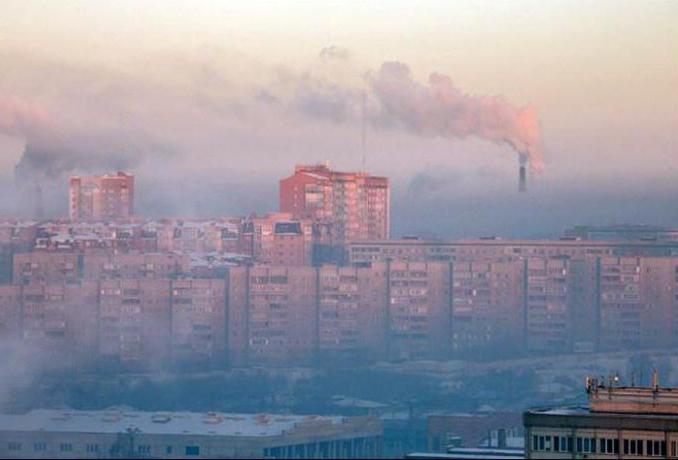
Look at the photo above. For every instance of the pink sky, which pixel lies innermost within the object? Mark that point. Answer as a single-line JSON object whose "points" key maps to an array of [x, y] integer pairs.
{"points": [[602, 77]]}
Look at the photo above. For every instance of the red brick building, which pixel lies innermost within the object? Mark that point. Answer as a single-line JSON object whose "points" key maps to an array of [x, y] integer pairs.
{"points": [[354, 206], [102, 197]]}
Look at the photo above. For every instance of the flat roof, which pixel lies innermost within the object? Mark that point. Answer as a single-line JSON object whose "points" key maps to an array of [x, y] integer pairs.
{"points": [[583, 418], [512, 242], [116, 420], [586, 412], [471, 453]]}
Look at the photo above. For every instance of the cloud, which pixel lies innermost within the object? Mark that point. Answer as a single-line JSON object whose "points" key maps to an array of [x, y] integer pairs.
{"points": [[212, 114], [334, 53], [323, 100]]}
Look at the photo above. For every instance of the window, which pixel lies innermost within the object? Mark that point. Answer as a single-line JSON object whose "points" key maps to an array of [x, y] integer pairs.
{"points": [[144, 449], [66, 447], [168, 450], [608, 446], [14, 446], [92, 448], [650, 446], [656, 448], [580, 444], [192, 450], [40, 446], [562, 444]]}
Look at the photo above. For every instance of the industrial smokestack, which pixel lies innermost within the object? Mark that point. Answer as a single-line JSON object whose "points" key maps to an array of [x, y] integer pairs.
{"points": [[439, 108], [522, 173]]}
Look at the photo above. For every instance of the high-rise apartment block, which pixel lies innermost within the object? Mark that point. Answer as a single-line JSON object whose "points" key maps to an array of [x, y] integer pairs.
{"points": [[106, 197], [346, 206]]}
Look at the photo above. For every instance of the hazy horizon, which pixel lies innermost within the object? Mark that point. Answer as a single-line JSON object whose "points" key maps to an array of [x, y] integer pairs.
{"points": [[211, 95]]}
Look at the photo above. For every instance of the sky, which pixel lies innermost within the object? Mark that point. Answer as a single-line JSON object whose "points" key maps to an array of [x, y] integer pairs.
{"points": [[210, 103]]}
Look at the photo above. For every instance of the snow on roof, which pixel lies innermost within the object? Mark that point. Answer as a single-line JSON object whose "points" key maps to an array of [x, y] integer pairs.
{"points": [[118, 420]]}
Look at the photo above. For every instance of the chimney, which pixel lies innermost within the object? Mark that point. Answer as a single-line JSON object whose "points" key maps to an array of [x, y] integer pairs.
{"points": [[522, 177], [39, 211]]}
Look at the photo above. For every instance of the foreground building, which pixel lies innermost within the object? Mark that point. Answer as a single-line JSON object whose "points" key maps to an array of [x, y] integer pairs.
{"points": [[101, 197], [620, 422], [118, 433]]}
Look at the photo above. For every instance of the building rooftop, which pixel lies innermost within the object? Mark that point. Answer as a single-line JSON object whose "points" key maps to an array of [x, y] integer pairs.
{"points": [[510, 242], [471, 453], [118, 420], [581, 417]]}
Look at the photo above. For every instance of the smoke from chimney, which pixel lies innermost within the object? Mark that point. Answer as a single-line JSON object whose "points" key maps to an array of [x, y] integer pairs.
{"points": [[19, 117], [441, 109]]}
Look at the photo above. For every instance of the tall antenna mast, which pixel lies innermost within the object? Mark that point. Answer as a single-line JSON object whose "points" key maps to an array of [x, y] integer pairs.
{"points": [[363, 128]]}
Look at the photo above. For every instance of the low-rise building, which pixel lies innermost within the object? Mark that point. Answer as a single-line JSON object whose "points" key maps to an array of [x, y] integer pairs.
{"points": [[620, 422], [119, 433]]}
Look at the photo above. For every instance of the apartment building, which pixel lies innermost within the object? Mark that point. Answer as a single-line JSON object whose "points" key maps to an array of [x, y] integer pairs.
{"points": [[419, 311], [353, 206], [469, 250], [198, 322], [101, 197], [70, 267], [488, 307], [628, 232], [637, 302], [548, 314], [168, 309], [278, 239], [47, 267], [113, 265], [135, 319], [59, 320], [277, 314], [352, 310]]}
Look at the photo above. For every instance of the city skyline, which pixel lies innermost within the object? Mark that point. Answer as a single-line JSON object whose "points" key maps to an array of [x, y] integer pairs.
{"points": [[294, 229], [221, 83]]}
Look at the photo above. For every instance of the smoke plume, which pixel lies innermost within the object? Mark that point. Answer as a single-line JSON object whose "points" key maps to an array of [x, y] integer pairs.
{"points": [[441, 109], [19, 117]]}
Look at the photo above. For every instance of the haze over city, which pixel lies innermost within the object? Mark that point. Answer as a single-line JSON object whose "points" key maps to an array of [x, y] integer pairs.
{"points": [[276, 229], [220, 98]]}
